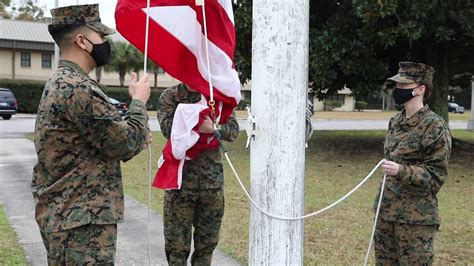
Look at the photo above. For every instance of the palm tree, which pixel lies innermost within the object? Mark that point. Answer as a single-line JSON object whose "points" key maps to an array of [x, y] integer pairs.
{"points": [[124, 58]]}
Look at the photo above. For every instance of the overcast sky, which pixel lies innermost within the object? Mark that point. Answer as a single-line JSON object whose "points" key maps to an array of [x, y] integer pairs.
{"points": [[106, 8]]}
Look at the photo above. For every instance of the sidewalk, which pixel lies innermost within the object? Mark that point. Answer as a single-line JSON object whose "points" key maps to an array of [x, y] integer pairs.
{"points": [[16, 163]]}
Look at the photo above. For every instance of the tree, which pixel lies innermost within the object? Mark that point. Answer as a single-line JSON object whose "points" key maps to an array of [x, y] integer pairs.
{"points": [[358, 43], [124, 58], [155, 69], [439, 33], [24, 10]]}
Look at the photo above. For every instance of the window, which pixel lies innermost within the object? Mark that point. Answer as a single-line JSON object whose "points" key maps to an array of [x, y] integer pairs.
{"points": [[336, 98], [25, 59], [46, 60]]}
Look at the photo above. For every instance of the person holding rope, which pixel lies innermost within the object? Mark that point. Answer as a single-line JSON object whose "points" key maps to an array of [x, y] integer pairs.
{"points": [[200, 201], [80, 140], [417, 148]]}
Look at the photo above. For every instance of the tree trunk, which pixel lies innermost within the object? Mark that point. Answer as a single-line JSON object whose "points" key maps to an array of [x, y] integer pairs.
{"points": [[437, 57], [98, 74], [122, 78], [156, 80]]}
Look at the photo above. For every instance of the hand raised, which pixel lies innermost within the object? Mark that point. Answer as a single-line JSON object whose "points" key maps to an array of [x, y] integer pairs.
{"points": [[139, 90]]}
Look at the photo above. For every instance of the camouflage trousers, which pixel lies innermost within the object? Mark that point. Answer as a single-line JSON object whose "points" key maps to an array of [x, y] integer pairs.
{"points": [[184, 209], [85, 245], [404, 244]]}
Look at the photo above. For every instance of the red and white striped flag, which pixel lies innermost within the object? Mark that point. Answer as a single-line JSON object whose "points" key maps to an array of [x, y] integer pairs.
{"points": [[177, 43]]}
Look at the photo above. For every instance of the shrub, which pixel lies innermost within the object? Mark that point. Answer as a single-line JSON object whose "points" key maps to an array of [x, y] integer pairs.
{"points": [[242, 104], [121, 94], [27, 93], [360, 105], [330, 105]]}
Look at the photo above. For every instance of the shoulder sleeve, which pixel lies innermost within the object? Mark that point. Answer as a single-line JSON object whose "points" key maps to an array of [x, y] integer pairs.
{"points": [[165, 110], [97, 120], [230, 130]]}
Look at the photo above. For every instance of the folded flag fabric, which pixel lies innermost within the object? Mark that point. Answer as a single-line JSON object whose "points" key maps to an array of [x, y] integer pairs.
{"points": [[177, 43]]}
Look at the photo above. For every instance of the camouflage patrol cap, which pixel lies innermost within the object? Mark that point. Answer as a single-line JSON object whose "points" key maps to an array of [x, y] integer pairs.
{"points": [[410, 72], [80, 15]]}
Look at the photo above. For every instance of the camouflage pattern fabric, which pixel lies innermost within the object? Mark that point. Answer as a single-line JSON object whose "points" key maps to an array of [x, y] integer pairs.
{"points": [[200, 202], [421, 145], [201, 208], [404, 244], [205, 171], [80, 139], [410, 72], [409, 216], [80, 15], [85, 245]]}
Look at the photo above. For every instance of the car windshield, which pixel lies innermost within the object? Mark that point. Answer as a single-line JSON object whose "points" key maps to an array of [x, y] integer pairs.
{"points": [[6, 94], [454, 104], [114, 101]]}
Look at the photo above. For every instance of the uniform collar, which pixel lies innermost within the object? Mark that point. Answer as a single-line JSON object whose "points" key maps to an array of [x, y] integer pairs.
{"points": [[413, 120], [71, 64], [183, 93]]}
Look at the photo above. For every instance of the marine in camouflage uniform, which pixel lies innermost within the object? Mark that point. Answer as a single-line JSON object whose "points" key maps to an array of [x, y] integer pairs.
{"points": [[80, 139], [200, 201], [420, 144]]}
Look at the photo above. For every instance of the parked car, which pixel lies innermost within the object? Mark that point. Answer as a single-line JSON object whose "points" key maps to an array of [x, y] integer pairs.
{"points": [[455, 108], [121, 107], [8, 103]]}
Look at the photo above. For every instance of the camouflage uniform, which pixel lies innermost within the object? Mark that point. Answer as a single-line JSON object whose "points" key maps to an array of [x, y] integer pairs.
{"points": [[200, 201], [421, 145], [77, 185]]}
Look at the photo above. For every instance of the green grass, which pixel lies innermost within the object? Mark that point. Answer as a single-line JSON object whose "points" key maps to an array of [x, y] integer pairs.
{"points": [[335, 162], [10, 251]]}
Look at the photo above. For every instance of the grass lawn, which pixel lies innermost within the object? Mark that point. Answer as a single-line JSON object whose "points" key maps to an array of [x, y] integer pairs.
{"points": [[10, 251], [335, 162]]}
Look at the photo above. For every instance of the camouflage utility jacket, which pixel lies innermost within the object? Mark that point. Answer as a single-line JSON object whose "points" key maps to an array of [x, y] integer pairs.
{"points": [[80, 139], [206, 170], [421, 145]]}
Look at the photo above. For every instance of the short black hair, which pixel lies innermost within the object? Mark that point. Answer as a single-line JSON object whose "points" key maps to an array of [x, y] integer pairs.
{"points": [[63, 34]]}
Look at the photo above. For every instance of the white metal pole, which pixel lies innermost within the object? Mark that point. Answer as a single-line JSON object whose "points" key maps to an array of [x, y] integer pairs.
{"points": [[470, 125], [56, 47], [279, 87]]}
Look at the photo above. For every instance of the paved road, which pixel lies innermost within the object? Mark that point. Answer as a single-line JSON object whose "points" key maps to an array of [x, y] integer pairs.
{"points": [[17, 157], [26, 124]]}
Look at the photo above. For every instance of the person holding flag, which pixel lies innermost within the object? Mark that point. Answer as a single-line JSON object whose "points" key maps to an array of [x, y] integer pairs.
{"points": [[194, 42], [199, 203]]}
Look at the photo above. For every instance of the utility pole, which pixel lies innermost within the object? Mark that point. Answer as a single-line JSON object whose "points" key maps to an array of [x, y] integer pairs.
{"points": [[470, 125], [279, 88], [56, 47]]}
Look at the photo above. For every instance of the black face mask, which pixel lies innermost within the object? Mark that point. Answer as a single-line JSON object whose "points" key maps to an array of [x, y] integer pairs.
{"points": [[100, 52], [402, 96]]}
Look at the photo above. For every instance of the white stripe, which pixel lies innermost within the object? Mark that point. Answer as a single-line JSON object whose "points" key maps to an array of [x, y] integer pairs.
{"points": [[181, 22], [186, 117]]}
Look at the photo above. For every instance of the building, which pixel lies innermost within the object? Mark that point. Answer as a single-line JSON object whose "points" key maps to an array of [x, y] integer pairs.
{"points": [[27, 52], [343, 97]]}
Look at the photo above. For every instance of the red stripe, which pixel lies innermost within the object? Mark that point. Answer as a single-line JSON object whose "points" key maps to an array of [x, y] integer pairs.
{"points": [[164, 49], [220, 29]]}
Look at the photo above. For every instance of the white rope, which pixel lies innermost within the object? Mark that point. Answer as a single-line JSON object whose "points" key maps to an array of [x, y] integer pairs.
{"points": [[324, 209], [304, 216], [211, 88], [375, 219], [145, 60]]}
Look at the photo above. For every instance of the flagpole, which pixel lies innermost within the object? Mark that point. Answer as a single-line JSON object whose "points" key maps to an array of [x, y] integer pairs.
{"points": [[145, 60], [277, 157]]}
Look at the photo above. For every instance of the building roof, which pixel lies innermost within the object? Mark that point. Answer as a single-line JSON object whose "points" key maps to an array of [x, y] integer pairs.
{"points": [[33, 31], [24, 31]]}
